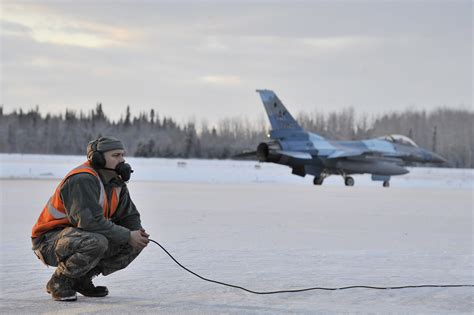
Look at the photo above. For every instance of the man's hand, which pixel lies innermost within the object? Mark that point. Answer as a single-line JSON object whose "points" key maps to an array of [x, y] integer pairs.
{"points": [[138, 239]]}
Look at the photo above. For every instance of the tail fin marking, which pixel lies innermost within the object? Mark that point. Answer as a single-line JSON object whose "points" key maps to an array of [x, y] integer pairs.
{"points": [[279, 117]]}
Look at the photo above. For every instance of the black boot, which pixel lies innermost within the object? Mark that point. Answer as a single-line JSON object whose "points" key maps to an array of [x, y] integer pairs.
{"points": [[84, 285], [60, 288]]}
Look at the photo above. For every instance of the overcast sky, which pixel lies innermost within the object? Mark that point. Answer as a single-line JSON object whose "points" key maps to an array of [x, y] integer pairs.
{"points": [[205, 59]]}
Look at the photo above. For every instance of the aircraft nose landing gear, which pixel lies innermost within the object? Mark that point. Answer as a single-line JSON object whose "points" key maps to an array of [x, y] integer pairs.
{"points": [[349, 181]]}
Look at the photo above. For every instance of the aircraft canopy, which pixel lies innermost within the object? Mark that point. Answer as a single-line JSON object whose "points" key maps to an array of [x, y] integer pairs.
{"points": [[400, 139]]}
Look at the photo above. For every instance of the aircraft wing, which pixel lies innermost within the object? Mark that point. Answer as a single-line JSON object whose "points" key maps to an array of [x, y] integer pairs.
{"points": [[357, 155], [295, 154], [345, 153]]}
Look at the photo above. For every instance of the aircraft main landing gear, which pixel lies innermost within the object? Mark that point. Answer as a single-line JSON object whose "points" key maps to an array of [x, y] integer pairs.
{"points": [[349, 181], [386, 183], [318, 180]]}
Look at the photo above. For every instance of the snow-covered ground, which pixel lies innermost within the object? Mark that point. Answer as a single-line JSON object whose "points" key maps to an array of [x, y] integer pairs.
{"points": [[261, 228]]}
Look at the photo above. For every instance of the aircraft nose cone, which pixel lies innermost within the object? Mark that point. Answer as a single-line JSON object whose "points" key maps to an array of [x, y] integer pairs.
{"points": [[436, 158], [431, 157]]}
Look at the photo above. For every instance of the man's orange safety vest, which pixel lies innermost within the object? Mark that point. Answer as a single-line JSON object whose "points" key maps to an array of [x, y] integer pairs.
{"points": [[54, 213]]}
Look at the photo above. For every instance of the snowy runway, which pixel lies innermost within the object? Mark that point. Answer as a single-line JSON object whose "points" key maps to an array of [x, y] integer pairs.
{"points": [[263, 236]]}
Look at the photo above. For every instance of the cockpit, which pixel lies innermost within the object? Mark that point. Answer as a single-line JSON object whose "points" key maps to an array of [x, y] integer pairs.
{"points": [[400, 139]]}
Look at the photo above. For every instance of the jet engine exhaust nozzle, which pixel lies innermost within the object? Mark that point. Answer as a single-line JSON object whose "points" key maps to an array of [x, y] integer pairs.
{"points": [[267, 152]]}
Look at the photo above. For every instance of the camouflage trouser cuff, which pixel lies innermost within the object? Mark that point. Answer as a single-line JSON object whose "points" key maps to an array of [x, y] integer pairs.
{"points": [[118, 261]]}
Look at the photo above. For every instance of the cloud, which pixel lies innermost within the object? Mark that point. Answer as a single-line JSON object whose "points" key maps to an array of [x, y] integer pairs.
{"points": [[45, 26], [14, 29], [225, 80], [213, 44], [78, 52], [336, 42]]}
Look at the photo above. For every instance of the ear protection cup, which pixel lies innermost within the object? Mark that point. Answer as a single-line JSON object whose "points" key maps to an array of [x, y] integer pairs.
{"points": [[96, 158]]}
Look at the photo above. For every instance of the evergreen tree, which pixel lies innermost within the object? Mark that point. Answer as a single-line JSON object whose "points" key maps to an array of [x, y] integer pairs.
{"points": [[448, 132]]}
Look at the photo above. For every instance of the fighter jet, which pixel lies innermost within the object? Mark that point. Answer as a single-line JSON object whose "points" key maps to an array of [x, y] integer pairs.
{"points": [[311, 154]]}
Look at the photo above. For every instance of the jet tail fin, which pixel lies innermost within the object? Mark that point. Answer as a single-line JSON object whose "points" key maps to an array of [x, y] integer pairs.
{"points": [[279, 117]]}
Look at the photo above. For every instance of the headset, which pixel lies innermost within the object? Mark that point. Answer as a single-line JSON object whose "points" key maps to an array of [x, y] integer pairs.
{"points": [[96, 158]]}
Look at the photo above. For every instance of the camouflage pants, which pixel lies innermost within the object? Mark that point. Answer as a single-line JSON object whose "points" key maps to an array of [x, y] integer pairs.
{"points": [[75, 252]]}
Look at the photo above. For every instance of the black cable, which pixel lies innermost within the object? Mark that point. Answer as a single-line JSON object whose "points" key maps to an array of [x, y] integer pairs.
{"points": [[317, 288]]}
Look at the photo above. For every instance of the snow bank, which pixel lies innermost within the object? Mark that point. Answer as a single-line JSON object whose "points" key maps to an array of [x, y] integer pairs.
{"points": [[26, 166]]}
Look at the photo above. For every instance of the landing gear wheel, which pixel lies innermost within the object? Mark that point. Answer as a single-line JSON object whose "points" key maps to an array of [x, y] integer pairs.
{"points": [[349, 181], [386, 183], [318, 180]]}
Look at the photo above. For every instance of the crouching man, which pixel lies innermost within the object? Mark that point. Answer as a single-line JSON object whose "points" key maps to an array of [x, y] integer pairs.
{"points": [[89, 226]]}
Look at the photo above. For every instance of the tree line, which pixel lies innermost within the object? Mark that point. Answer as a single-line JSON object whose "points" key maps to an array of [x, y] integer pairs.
{"points": [[446, 131]]}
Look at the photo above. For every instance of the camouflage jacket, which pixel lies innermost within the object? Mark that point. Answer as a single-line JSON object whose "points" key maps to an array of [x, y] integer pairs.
{"points": [[80, 195]]}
